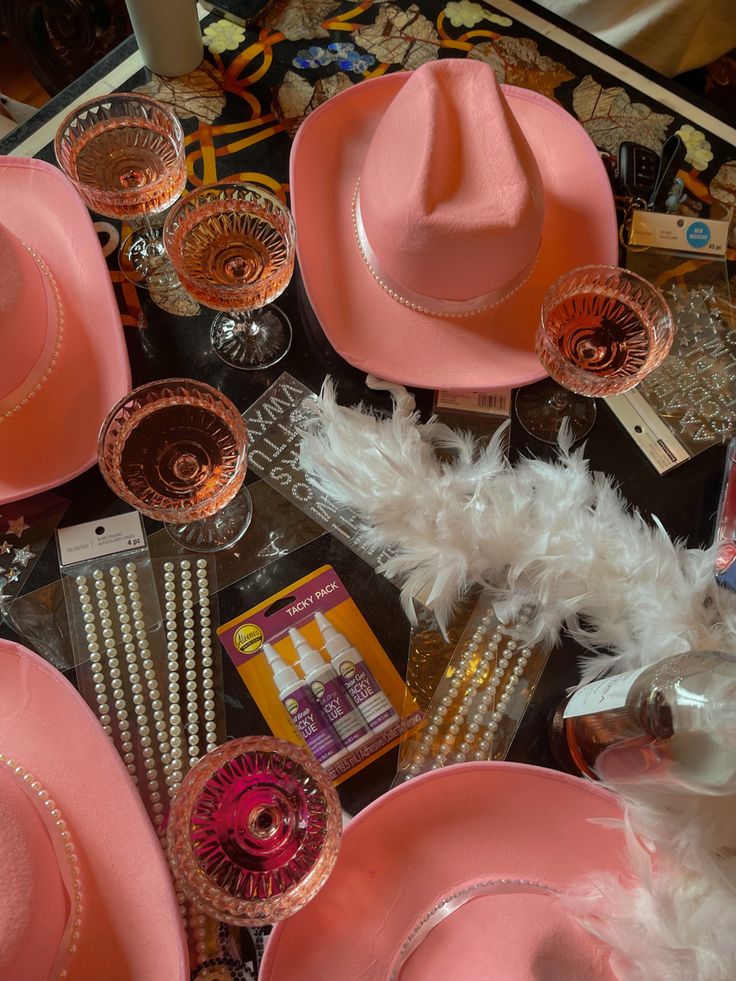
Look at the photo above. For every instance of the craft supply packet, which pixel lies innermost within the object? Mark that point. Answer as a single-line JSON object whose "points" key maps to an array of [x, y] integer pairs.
{"points": [[307, 650]]}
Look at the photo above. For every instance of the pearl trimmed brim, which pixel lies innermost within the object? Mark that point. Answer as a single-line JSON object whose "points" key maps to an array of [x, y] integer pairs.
{"points": [[429, 839], [131, 929], [53, 437]]}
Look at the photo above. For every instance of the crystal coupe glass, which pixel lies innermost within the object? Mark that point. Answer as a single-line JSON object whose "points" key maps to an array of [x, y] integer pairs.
{"points": [[176, 450], [125, 155], [254, 831], [232, 244], [602, 330]]}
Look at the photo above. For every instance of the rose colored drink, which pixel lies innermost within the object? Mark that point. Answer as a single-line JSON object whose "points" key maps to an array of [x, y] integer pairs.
{"points": [[123, 154], [232, 245], [254, 831], [180, 456], [176, 450], [602, 330], [605, 336]]}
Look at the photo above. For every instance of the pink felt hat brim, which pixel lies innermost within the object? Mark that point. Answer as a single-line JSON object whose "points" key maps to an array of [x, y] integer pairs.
{"points": [[131, 927], [373, 332], [54, 437], [429, 837]]}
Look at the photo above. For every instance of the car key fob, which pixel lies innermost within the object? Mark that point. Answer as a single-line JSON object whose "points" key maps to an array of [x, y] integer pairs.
{"points": [[673, 157], [637, 170]]}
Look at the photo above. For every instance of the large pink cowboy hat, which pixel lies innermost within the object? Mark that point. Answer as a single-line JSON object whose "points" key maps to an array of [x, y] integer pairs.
{"points": [[433, 209], [65, 791], [456, 876], [64, 360]]}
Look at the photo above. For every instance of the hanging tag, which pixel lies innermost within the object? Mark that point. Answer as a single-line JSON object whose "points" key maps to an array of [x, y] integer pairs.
{"points": [[678, 233], [96, 539]]}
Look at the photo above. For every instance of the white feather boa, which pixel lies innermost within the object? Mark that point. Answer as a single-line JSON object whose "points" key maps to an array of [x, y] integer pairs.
{"points": [[558, 538]]}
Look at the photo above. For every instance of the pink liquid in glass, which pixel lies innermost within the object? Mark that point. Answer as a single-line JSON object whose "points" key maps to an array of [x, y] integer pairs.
{"points": [[602, 330], [254, 830], [233, 254]]}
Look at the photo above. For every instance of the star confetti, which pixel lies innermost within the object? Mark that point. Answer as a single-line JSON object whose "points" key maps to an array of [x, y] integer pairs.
{"points": [[4, 548], [11, 575], [23, 556], [17, 526]]}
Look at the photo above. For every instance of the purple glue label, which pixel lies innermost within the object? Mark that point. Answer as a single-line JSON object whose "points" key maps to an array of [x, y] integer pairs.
{"points": [[366, 693], [335, 704], [307, 719]]}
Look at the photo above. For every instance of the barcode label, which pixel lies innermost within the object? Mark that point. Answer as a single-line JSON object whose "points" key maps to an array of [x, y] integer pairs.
{"points": [[496, 403]]}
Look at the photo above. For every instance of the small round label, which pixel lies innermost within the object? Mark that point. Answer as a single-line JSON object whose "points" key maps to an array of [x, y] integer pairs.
{"points": [[698, 234], [347, 670], [248, 639], [319, 690], [291, 705]]}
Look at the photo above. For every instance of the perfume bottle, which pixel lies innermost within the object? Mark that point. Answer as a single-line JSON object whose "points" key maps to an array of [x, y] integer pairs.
{"points": [[672, 724], [254, 831]]}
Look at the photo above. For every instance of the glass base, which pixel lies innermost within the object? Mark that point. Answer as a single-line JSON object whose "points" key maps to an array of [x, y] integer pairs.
{"points": [[542, 408], [220, 531], [252, 340], [144, 261]]}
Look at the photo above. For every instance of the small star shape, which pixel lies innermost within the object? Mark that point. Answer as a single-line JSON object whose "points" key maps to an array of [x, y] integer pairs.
{"points": [[23, 556], [17, 526], [4, 548], [11, 575]]}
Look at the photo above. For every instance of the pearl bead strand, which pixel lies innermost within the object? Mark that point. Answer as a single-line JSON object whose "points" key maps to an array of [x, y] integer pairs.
{"points": [[55, 818], [208, 675]]}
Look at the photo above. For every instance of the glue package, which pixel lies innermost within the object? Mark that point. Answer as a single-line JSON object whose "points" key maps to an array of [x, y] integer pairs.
{"points": [[319, 675]]}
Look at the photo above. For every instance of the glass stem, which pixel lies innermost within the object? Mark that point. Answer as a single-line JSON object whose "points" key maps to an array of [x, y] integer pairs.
{"points": [[560, 401], [247, 323], [153, 239]]}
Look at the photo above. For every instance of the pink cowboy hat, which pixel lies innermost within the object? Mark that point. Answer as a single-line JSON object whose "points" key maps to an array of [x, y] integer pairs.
{"points": [[433, 209], [455, 876], [64, 361], [86, 889]]}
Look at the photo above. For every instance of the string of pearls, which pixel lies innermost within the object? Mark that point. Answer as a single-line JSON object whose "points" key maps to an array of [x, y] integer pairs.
{"points": [[467, 709], [55, 819]]}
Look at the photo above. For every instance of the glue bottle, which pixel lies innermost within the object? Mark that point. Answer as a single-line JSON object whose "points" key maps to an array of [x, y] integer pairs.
{"points": [[305, 714], [325, 685], [362, 688]]}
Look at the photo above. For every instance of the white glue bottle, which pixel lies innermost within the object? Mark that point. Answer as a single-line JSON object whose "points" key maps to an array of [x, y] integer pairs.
{"points": [[359, 683], [324, 684], [304, 712]]}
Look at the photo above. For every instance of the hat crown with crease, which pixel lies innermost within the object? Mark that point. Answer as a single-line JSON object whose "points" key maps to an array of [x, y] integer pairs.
{"points": [[450, 197], [28, 321]]}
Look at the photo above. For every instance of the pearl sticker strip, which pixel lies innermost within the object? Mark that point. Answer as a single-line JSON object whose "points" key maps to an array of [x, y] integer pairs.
{"points": [[472, 698], [160, 709]]}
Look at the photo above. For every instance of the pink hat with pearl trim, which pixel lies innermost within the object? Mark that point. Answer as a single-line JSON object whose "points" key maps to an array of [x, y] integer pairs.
{"points": [[457, 875], [86, 894], [64, 360], [433, 209]]}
